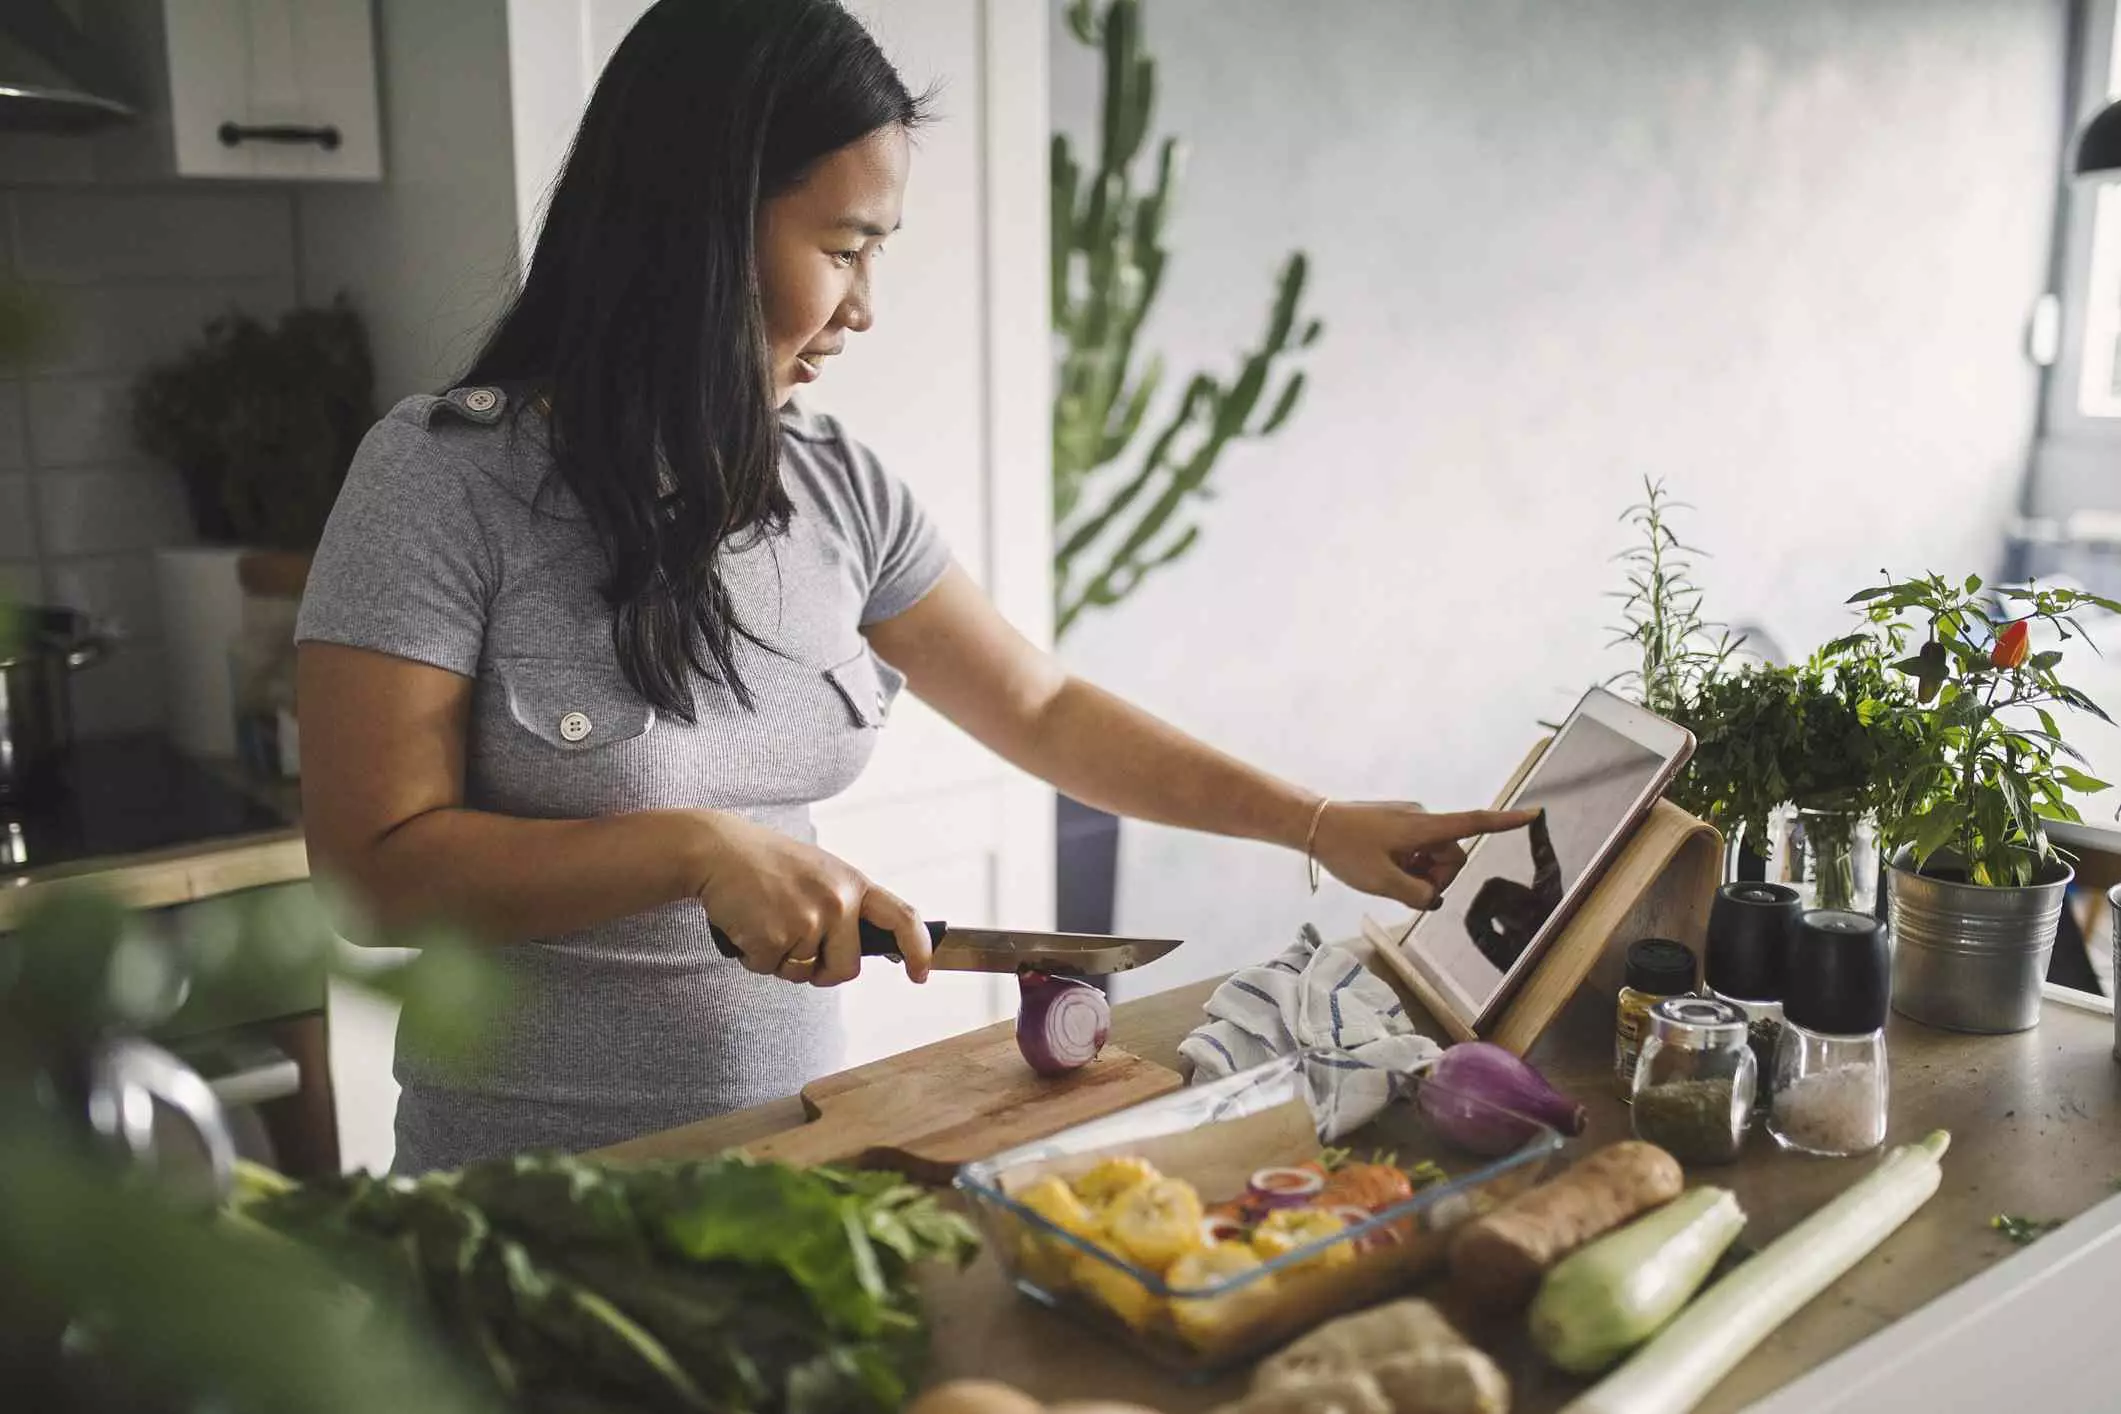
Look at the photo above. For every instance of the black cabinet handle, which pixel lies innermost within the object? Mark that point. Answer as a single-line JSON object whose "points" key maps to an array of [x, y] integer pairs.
{"points": [[326, 137]]}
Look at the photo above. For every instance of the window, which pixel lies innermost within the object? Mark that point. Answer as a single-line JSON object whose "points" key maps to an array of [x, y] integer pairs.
{"points": [[2099, 384]]}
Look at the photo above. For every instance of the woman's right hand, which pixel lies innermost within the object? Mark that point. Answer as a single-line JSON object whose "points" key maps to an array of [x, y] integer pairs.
{"points": [[795, 911]]}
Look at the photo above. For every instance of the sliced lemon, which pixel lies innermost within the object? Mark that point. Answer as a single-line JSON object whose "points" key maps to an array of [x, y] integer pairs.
{"points": [[1118, 1291], [1291, 1228], [1113, 1177], [1156, 1223], [1203, 1320]]}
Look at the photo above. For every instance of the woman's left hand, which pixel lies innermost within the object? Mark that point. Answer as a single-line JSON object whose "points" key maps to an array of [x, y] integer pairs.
{"points": [[1400, 851]]}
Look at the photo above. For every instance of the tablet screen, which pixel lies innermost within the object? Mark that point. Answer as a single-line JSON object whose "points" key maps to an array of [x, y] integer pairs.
{"points": [[1587, 783]]}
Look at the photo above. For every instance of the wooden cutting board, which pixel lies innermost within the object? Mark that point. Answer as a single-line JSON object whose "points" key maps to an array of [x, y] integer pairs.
{"points": [[928, 1111]]}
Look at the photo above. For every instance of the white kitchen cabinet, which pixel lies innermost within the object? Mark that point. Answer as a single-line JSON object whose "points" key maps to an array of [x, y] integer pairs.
{"points": [[950, 388], [274, 89]]}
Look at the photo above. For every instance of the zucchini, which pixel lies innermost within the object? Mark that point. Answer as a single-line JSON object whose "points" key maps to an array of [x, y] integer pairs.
{"points": [[1673, 1372], [1601, 1302]]}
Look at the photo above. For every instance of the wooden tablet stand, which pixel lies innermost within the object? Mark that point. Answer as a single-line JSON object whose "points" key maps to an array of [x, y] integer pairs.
{"points": [[1660, 885]]}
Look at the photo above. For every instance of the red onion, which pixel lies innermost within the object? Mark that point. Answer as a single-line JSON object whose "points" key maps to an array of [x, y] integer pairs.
{"points": [[1061, 1022], [1285, 1188], [1480, 1095]]}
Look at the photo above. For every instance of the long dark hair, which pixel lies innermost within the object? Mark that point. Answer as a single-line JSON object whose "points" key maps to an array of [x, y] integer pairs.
{"points": [[640, 317]]}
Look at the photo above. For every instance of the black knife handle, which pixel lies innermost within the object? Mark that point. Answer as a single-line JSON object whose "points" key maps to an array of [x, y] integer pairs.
{"points": [[877, 940]]}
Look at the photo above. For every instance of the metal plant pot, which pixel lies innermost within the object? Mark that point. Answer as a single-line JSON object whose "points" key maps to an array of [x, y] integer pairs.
{"points": [[1971, 958]]}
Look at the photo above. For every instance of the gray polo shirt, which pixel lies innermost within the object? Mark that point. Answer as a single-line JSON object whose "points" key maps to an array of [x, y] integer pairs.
{"points": [[452, 545]]}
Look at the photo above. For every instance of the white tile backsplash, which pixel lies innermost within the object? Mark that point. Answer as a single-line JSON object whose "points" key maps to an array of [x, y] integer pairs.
{"points": [[101, 512], [134, 265], [122, 328], [45, 157], [14, 433], [21, 582], [18, 517], [79, 422], [118, 591], [94, 236], [121, 694]]}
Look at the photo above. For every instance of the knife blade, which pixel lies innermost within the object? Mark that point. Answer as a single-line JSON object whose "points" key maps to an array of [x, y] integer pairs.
{"points": [[1004, 950]]}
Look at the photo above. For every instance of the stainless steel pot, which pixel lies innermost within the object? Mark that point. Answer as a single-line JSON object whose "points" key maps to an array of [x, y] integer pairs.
{"points": [[1969, 958], [39, 651]]}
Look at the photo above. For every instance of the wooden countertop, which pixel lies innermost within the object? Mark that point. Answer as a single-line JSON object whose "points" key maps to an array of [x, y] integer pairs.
{"points": [[2036, 1130]]}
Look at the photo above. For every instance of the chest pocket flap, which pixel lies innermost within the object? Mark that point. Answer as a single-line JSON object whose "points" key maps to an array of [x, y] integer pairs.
{"points": [[573, 706], [868, 685]]}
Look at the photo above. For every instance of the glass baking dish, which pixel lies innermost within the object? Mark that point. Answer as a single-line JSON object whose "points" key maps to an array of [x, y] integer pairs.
{"points": [[1216, 1137]]}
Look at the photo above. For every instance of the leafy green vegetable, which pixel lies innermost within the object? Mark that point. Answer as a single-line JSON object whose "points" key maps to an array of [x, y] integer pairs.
{"points": [[719, 1285], [1830, 735], [2022, 1230]]}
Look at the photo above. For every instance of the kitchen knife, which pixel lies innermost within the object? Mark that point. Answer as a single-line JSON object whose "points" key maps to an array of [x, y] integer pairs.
{"points": [[996, 950]]}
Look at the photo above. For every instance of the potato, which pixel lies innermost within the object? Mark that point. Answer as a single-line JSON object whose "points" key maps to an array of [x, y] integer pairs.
{"points": [[975, 1397], [1498, 1260], [1353, 1393], [1457, 1380], [1358, 1342]]}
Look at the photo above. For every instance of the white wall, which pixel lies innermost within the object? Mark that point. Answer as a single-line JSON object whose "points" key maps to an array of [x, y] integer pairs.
{"points": [[428, 254], [1779, 254]]}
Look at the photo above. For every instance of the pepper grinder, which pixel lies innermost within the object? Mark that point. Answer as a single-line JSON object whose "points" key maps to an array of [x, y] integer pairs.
{"points": [[1747, 957], [1831, 1084]]}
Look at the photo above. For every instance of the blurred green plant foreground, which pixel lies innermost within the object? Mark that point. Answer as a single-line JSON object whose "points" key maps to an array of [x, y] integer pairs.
{"points": [[541, 1282], [163, 1305]]}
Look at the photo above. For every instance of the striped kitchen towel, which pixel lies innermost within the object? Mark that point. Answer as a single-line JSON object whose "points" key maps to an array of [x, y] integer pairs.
{"points": [[1314, 995]]}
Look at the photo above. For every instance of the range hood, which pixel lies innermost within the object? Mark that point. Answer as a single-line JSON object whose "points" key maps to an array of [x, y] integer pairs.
{"points": [[53, 78]]}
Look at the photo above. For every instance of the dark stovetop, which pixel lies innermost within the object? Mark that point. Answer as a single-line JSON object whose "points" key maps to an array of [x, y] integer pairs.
{"points": [[126, 795]]}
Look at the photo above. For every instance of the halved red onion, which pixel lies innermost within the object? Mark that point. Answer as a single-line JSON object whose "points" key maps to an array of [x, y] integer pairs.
{"points": [[1061, 1022], [1286, 1187]]}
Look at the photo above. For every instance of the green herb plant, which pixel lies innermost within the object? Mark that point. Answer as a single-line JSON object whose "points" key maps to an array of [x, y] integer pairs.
{"points": [[1809, 735], [262, 422], [1677, 649], [1989, 764], [1108, 265]]}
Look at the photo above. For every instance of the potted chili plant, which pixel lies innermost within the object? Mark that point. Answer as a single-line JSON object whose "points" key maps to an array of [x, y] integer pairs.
{"points": [[1976, 886]]}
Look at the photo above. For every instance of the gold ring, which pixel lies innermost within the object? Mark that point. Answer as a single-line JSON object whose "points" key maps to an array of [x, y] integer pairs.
{"points": [[810, 961]]}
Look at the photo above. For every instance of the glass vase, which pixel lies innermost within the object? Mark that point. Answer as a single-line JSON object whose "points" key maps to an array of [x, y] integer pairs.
{"points": [[1829, 856]]}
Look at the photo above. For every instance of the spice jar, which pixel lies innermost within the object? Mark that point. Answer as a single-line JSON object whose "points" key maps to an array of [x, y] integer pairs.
{"points": [[1749, 939], [1695, 1083], [1829, 1089], [1656, 968]]}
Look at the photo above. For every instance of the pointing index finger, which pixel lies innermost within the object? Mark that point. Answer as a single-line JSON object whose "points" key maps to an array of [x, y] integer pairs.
{"points": [[1468, 823]]}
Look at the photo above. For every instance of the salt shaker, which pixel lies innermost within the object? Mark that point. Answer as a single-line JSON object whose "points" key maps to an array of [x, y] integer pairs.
{"points": [[1748, 947], [1695, 1082], [1830, 1085]]}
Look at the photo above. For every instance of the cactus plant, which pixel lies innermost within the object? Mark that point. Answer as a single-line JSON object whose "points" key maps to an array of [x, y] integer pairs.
{"points": [[1108, 264]]}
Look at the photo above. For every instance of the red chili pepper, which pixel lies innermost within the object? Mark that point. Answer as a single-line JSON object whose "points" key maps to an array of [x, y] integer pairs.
{"points": [[2013, 646]]}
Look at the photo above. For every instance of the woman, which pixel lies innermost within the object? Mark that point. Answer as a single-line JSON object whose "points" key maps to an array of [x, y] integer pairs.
{"points": [[588, 635]]}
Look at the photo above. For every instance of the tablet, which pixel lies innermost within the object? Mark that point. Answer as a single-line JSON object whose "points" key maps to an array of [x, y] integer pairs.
{"points": [[1594, 782]]}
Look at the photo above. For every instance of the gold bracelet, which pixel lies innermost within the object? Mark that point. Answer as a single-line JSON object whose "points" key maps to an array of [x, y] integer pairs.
{"points": [[1311, 842]]}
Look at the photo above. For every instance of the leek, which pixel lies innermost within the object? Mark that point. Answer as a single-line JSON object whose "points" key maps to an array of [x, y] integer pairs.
{"points": [[1685, 1360]]}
